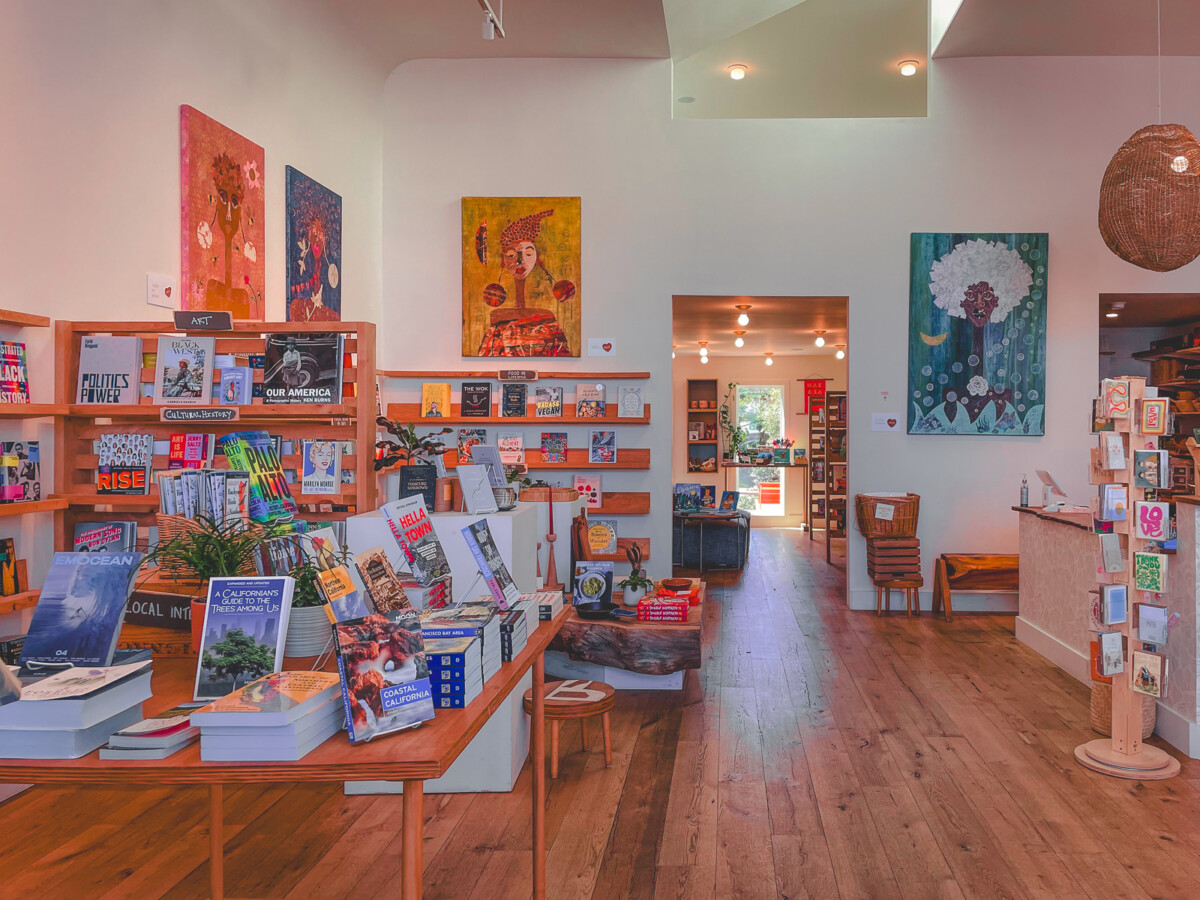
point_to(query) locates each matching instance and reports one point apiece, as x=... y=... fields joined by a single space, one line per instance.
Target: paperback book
x=10 y=573
x=123 y=463
x=631 y=403
x=384 y=676
x=384 y=585
x=511 y=446
x=548 y=402
x=468 y=438
x=20 y=471
x=303 y=368
x=419 y=480
x=105 y=537
x=602 y=535
x=245 y=626
x=489 y=457
x=109 y=369
x=554 y=446
x=603 y=447
x=183 y=371
x=589 y=401
x=269 y=701
x=592 y=582
x=435 y=400
x=729 y=500
x=589 y=487
x=254 y=452
x=78 y=615
x=477 y=495
x=513 y=400
x=476 y=399
x=412 y=528
x=237 y=386
x=321 y=468
x=341 y=585
x=14 y=373
x=487 y=557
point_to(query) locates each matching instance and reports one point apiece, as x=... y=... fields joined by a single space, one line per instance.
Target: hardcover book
x=708 y=496
x=419 y=480
x=487 y=557
x=435 y=400
x=254 y=452
x=412 y=528
x=183 y=371
x=110 y=369
x=20 y=471
x=554 y=446
x=187 y=451
x=603 y=447
x=468 y=438
x=105 y=537
x=384 y=676
x=245 y=626
x=513 y=400
x=303 y=368
x=476 y=398
x=477 y=495
x=729 y=500
x=123 y=463
x=381 y=580
x=589 y=487
x=79 y=612
x=511 y=445
x=602 y=535
x=237 y=386
x=489 y=457
x=631 y=403
x=548 y=402
x=589 y=401
x=14 y=373
x=321 y=468
x=592 y=582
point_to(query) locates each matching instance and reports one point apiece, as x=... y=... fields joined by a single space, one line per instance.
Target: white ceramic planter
x=633 y=595
x=308 y=631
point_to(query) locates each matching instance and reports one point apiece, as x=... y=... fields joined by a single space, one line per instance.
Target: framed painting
x=314 y=250
x=520 y=277
x=222 y=239
x=977 y=334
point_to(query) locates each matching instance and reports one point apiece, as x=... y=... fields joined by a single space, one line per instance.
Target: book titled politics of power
x=110 y=368
x=79 y=613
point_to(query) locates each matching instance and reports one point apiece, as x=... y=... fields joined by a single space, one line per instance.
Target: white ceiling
x=782 y=325
x=1071 y=28
x=693 y=25
x=392 y=32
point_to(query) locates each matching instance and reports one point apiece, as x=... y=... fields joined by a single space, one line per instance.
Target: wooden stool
x=575 y=700
x=909 y=585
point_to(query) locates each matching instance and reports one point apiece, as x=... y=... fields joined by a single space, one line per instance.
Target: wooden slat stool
x=978 y=573
x=909 y=584
x=581 y=700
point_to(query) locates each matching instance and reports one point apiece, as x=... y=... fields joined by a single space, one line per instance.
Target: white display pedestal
x=491 y=762
x=515 y=534
x=564 y=513
x=623 y=680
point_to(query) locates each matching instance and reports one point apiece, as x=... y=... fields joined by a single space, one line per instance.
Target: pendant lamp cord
x=1159 y=62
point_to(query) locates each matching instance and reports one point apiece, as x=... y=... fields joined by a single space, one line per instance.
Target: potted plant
x=308 y=626
x=407 y=447
x=735 y=436
x=636 y=586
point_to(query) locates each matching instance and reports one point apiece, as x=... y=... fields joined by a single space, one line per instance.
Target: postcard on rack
x=1114 y=398
x=1095 y=612
x=1151 y=520
x=1101 y=424
x=1114 y=604
x=1112 y=559
x=1151 y=621
x=1113 y=446
x=1112 y=653
x=1148 y=672
x=1114 y=501
x=1150 y=572
x=1151 y=469
x=1152 y=415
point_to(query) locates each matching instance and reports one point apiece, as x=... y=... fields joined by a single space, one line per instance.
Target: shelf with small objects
x=702 y=426
x=836 y=467
x=818 y=468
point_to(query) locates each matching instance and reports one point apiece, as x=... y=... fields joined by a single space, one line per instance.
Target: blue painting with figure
x=977 y=334
x=314 y=250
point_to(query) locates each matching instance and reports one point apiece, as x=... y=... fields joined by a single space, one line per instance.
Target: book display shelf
x=701 y=426
x=23 y=412
x=75 y=462
x=836 y=468
x=817 y=466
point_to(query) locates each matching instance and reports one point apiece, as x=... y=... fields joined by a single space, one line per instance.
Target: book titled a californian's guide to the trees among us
x=245 y=625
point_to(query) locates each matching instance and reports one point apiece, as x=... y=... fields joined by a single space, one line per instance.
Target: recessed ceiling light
x=737 y=72
x=908 y=68
x=685 y=99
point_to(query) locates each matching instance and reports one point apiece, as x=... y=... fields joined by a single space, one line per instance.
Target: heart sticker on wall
x=891 y=423
x=167 y=290
x=600 y=346
x=607 y=347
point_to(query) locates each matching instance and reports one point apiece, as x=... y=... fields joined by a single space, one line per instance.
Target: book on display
x=254 y=452
x=491 y=565
x=78 y=698
x=109 y=369
x=277 y=699
x=408 y=519
x=304 y=367
x=245 y=626
x=184 y=371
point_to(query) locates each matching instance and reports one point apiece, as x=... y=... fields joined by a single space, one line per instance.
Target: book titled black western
x=513 y=401
x=79 y=613
x=385 y=680
x=303 y=368
x=419 y=479
x=476 y=398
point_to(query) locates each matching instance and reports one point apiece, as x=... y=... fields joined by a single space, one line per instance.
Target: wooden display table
x=413 y=757
x=648 y=648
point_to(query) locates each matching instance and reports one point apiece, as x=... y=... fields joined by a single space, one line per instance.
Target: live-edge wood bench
x=973 y=573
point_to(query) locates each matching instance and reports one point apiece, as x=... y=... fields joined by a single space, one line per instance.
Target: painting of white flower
x=204 y=235
x=249 y=252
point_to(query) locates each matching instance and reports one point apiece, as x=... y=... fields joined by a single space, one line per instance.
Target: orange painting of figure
x=223 y=226
x=521 y=280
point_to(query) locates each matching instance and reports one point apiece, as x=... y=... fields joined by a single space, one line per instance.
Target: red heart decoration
x=167 y=290
x=607 y=347
x=891 y=423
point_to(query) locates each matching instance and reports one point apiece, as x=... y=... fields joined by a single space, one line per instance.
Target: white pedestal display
x=491 y=762
x=564 y=513
x=515 y=534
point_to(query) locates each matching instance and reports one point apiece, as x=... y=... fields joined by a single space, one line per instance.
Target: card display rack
x=836 y=467
x=1124 y=755
x=351 y=420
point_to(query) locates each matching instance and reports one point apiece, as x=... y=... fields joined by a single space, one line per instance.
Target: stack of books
x=70 y=713
x=893 y=559
x=455 y=670
x=279 y=717
x=549 y=603
x=476 y=620
x=154 y=738
x=514 y=634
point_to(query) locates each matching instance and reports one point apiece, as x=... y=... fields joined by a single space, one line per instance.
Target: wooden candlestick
x=552 y=583
x=538 y=556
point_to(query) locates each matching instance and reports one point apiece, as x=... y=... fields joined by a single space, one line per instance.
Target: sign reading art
x=977 y=334
x=520 y=276
x=203 y=321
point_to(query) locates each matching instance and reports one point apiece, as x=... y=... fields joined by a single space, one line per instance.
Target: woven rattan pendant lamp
x=1150 y=194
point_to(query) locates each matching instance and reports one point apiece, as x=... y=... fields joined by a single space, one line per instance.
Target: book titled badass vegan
x=303 y=368
x=385 y=679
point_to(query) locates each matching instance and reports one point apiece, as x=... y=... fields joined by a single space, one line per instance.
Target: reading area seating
x=973 y=573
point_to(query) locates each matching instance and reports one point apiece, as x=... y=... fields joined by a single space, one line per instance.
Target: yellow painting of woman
x=521 y=290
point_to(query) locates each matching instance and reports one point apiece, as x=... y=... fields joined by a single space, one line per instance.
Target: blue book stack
x=455 y=670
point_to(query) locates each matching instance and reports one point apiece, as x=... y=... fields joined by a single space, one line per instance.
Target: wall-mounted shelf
x=23 y=319
x=622 y=503
x=409 y=413
x=623 y=545
x=22 y=507
x=31 y=410
x=16 y=602
x=542 y=376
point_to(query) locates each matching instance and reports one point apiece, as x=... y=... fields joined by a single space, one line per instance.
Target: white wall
x=805 y=207
x=750 y=370
x=89 y=108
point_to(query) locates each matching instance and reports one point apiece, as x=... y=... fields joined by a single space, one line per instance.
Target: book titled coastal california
x=254 y=452
x=79 y=613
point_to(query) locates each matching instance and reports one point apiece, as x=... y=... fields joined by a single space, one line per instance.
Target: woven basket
x=171 y=527
x=902 y=524
x=1101 y=711
x=1150 y=199
x=542 y=494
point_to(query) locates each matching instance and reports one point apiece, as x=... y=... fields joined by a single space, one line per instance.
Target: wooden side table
x=575 y=699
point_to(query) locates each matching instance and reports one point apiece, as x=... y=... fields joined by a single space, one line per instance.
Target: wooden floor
x=819 y=753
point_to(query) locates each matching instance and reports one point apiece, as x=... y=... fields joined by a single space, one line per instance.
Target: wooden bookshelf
x=351 y=420
x=576 y=459
x=23 y=319
x=836 y=431
x=620 y=503
x=23 y=507
x=411 y=413
x=493 y=374
x=31 y=410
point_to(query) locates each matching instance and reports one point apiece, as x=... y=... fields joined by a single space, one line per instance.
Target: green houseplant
x=307 y=631
x=735 y=436
x=408 y=446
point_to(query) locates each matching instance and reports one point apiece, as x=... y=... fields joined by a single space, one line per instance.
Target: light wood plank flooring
x=819 y=753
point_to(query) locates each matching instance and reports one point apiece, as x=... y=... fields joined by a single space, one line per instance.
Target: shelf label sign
x=199 y=414
x=517 y=375
x=204 y=320
x=814 y=390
